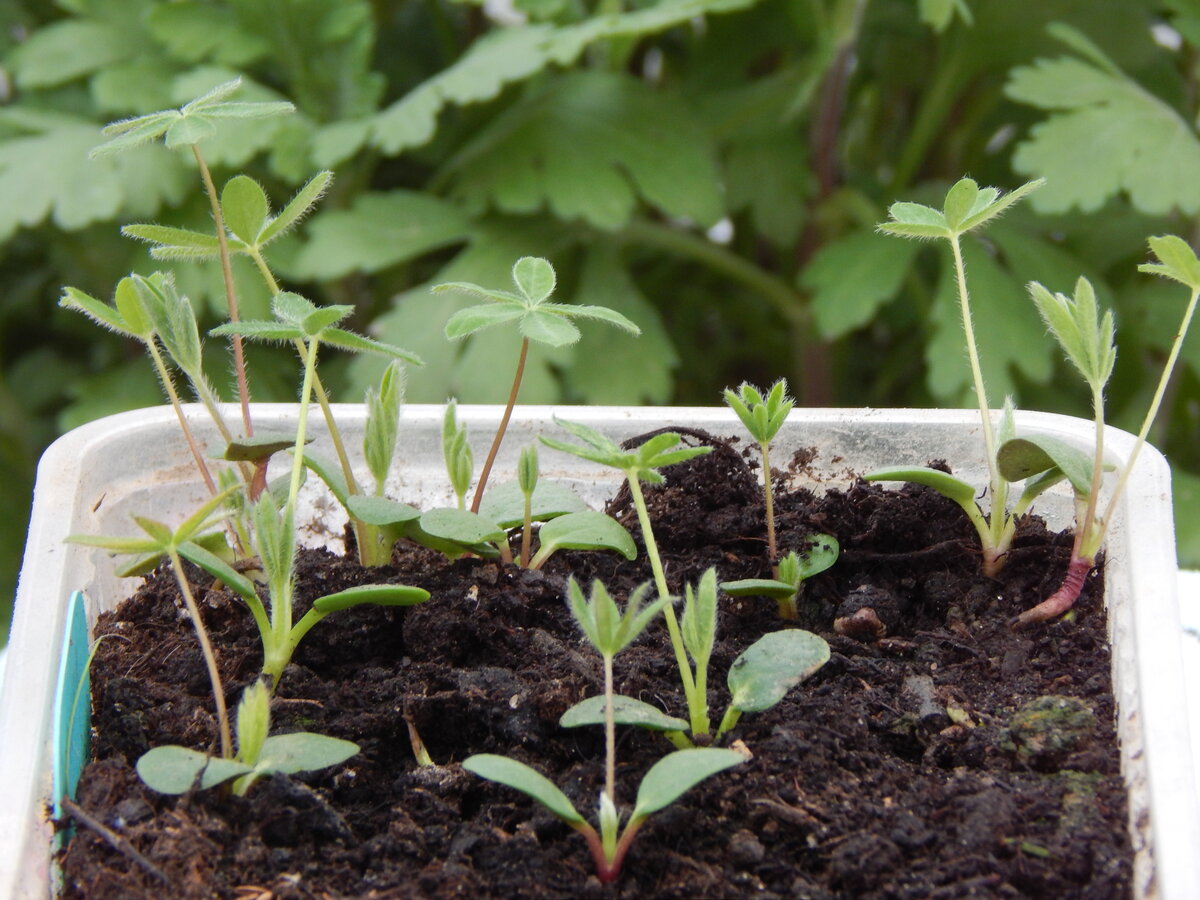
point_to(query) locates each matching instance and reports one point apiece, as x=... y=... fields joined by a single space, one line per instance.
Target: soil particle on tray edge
x=905 y=768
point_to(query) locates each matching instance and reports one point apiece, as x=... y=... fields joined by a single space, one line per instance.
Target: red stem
x=512 y=401
x=1062 y=599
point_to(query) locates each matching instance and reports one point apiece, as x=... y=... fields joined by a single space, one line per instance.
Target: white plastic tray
x=93 y=478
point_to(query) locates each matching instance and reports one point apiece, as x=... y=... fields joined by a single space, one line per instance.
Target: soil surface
x=948 y=757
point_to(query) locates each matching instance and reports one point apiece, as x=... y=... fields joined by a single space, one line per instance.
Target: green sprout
x=966 y=208
x=793 y=570
x=763 y=417
x=1087 y=340
x=610 y=631
x=456 y=452
x=758 y=679
x=638 y=465
x=172 y=769
x=536 y=318
x=184 y=542
x=187 y=127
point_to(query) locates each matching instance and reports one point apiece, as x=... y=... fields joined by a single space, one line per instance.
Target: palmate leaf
x=513 y=54
x=589 y=146
x=1107 y=135
x=853 y=277
x=378 y=231
x=45 y=173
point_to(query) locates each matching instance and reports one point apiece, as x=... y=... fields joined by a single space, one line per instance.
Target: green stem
x=165 y=377
x=696 y=711
x=1151 y=413
x=495 y=448
x=610 y=733
x=768 y=495
x=239 y=359
x=210 y=659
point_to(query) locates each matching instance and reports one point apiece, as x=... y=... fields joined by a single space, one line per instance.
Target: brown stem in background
x=495 y=448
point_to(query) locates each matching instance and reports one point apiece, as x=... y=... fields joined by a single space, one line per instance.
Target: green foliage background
x=611 y=137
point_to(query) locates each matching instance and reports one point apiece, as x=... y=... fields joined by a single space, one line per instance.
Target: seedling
x=638 y=465
x=763 y=418
x=793 y=570
x=758 y=679
x=966 y=208
x=187 y=127
x=172 y=769
x=536 y=318
x=182 y=543
x=1087 y=339
x=610 y=631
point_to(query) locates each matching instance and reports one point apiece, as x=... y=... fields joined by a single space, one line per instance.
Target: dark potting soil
x=949 y=757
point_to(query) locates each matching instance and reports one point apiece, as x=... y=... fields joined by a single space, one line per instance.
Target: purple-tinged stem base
x=1061 y=600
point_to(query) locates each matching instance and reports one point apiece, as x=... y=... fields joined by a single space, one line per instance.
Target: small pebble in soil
x=868 y=613
x=745 y=849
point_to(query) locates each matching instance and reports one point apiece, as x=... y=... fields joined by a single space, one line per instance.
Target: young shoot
x=184 y=542
x=638 y=465
x=456 y=452
x=966 y=208
x=187 y=127
x=172 y=769
x=276 y=546
x=793 y=570
x=758 y=679
x=1087 y=340
x=536 y=318
x=610 y=631
x=763 y=417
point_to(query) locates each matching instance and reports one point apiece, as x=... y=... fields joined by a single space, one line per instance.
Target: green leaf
x=461 y=527
x=852 y=278
x=1135 y=142
x=534 y=278
x=1177 y=261
x=504 y=503
x=261 y=446
x=474 y=318
x=356 y=343
x=331 y=474
x=943 y=482
x=98 y=311
x=378 y=231
x=298 y=207
x=63 y=51
x=1025 y=457
x=528 y=781
x=698 y=624
x=219 y=569
x=759 y=587
x=612 y=367
x=1086 y=338
x=771 y=666
x=380 y=511
x=376 y=594
x=820 y=553
x=588 y=146
x=173 y=770
x=45 y=173
x=383 y=423
x=586 y=530
x=319 y=320
x=678 y=772
x=245 y=208
x=185 y=132
x=175 y=243
x=544 y=327
x=960 y=202
x=938 y=14
x=253 y=721
x=626 y=711
x=513 y=54
x=303 y=751
x=608 y=629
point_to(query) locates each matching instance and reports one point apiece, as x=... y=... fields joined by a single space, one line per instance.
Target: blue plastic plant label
x=72 y=704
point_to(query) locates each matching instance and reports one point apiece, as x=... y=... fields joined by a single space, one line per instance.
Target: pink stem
x=1062 y=599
